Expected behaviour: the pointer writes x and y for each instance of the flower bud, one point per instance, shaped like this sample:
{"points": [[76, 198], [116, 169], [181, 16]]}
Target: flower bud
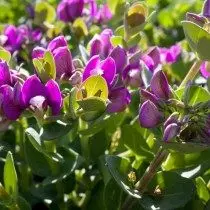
{"points": [[69, 10], [77, 63], [76, 78], [119, 100], [120, 58], [149, 115], [197, 19], [170, 132], [146, 95], [95, 47], [63, 61], [206, 8], [159, 85], [57, 42], [173, 118]]}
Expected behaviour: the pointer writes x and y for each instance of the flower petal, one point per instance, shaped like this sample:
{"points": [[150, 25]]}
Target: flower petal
{"points": [[31, 88], [5, 76], [92, 64], [57, 42], [109, 69], [54, 97]]}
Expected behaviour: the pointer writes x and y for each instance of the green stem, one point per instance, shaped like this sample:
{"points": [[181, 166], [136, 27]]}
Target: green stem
{"points": [[142, 184], [126, 28], [192, 73]]}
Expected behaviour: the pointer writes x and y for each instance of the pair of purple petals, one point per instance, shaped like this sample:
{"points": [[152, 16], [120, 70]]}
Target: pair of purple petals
{"points": [[62, 56], [69, 10], [16, 99]]}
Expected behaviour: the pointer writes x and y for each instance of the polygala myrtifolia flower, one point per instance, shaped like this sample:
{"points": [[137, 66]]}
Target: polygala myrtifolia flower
{"points": [[69, 10], [61, 54]]}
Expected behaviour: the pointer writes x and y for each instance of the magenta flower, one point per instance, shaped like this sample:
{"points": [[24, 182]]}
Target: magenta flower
{"points": [[104, 14], [62, 56], [170, 55], [170, 132], [101, 44], [149, 115], [119, 100], [69, 10], [152, 59], [33, 87], [205, 70], [15, 37], [105, 68], [206, 9], [11, 104], [159, 85], [5, 76]]}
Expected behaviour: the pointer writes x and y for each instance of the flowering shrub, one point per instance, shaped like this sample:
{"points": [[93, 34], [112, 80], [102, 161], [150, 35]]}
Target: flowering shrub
{"points": [[104, 105]]}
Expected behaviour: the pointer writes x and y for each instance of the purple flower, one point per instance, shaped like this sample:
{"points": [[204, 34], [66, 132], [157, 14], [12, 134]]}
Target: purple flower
{"points": [[170, 132], [33, 87], [146, 95], [69, 10], [149, 115], [11, 101], [159, 85], [63, 62], [170, 55], [62, 56], [14, 37], [104, 14], [132, 77], [101, 44], [120, 57], [105, 68], [152, 59], [173, 118], [119, 100], [205, 69], [206, 9], [57, 42], [5, 76]]}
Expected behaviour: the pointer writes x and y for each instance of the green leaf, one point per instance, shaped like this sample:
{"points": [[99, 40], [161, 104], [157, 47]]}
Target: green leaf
{"points": [[134, 141], [104, 122], [134, 40], [80, 27], [5, 55], [202, 190], [10, 176], [198, 39], [119, 169], [194, 95], [117, 40], [93, 86], [44, 12], [34, 138], [54, 130], [112, 195], [114, 4], [174, 192], [37, 160], [184, 147], [45, 67], [5, 198], [70, 161], [23, 204]]}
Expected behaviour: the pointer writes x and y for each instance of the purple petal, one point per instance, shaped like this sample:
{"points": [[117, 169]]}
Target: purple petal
{"points": [[120, 58], [206, 8], [62, 11], [119, 100], [32, 87], [109, 69], [5, 76], [38, 52], [11, 110], [149, 115], [92, 64], [54, 97], [57, 42], [159, 85], [148, 61], [63, 61], [95, 47], [155, 55], [170, 132], [17, 91], [205, 69]]}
